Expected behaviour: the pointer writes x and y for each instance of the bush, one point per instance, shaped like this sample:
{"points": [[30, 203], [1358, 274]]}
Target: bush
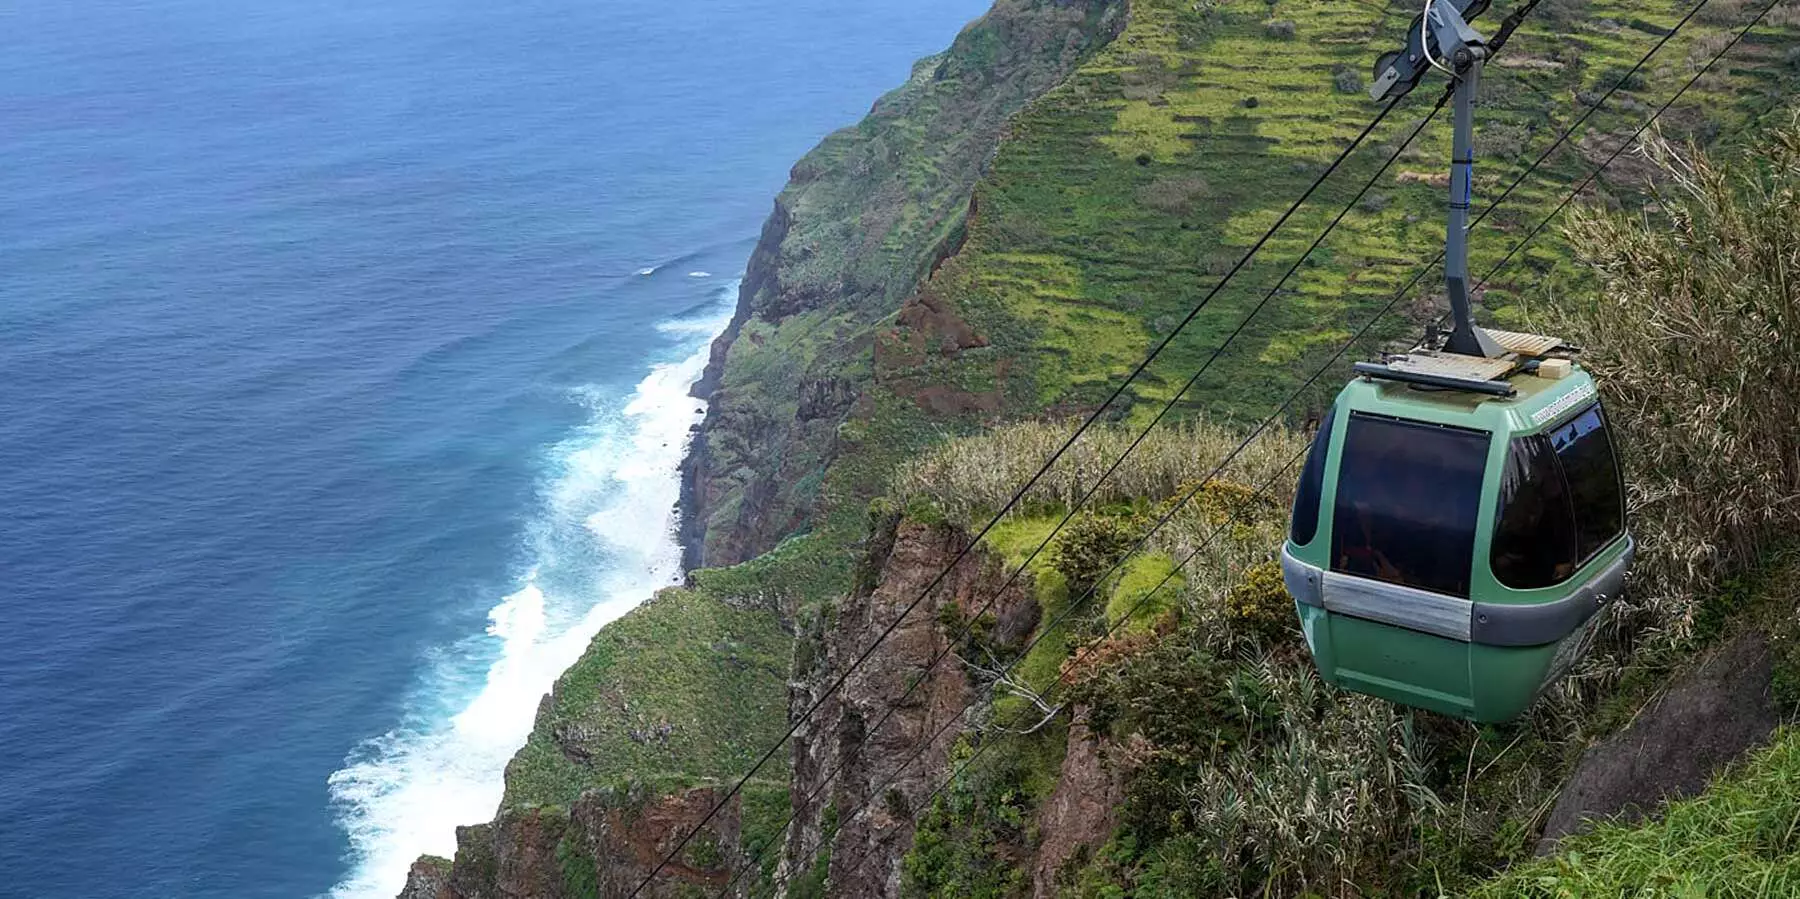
{"points": [[1563, 13], [1346, 80], [1622, 76], [1089, 546], [1695, 338], [1260, 607], [1280, 29], [1501, 141]]}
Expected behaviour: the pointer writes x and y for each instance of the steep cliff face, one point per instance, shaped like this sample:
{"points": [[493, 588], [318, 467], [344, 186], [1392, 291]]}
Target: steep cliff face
{"points": [[605, 844], [856, 784], [862, 221]]}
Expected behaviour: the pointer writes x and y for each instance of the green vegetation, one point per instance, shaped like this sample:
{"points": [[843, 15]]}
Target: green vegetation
{"points": [[1696, 334], [685, 687], [1246, 775], [864, 218], [1121, 196], [1739, 839]]}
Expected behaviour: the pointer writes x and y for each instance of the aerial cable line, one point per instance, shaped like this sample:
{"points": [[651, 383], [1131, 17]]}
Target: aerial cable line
{"points": [[1510, 24], [1573, 126], [1144, 600], [1168, 406], [1016, 498], [1142, 542], [1137, 547], [1620, 149]]}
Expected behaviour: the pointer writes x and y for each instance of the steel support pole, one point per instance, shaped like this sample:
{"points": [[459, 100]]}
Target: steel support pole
{"points": [[1465, 338]]}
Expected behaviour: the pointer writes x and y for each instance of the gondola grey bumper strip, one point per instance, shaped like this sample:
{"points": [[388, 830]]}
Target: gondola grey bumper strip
{"points": [[1486, 624]]}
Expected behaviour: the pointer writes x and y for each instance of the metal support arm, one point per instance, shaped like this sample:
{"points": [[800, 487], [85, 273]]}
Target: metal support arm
{"points": [[1465, 336], [1466, 53]]}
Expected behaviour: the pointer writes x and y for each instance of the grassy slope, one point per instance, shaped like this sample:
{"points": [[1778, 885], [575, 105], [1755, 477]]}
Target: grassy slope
{"points": [[711, 672], [1739, 839], [869, 210]]}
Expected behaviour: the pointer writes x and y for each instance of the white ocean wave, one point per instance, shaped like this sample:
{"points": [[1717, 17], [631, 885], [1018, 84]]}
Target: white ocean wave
{"points": [[615, 487]]}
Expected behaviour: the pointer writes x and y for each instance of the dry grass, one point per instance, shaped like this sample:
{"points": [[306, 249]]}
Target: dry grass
{"points": [[1335, 785], [968, 476], [1696, 340]]}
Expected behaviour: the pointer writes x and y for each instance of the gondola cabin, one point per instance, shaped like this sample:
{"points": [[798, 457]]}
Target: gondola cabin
{"points": [[1454, 538]]}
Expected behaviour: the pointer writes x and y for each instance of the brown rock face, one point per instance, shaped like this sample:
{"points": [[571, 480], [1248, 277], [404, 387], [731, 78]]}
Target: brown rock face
{"points": [[429, 878], [604, 846], [511, 857], [625, 841], [1706, 720], [1082, 810], [874, 791]]}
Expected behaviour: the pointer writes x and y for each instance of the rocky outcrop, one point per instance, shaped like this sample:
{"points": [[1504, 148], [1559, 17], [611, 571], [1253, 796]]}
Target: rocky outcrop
{"points": [[862, 221], [874, 778], [603, 847], [429, 878], [1082, 810], [1706, 720]]}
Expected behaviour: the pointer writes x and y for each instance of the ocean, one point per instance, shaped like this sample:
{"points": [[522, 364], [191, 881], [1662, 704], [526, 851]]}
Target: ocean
{"points": [[344, 357]]}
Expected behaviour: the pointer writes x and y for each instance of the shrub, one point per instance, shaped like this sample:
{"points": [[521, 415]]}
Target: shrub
{"points": [[1563, 13], [1280, 29], [1502, 141], [1089, 546], [1261, 607], [1622, 76], [1694, 338], [1346, 80], [1177, 196]]}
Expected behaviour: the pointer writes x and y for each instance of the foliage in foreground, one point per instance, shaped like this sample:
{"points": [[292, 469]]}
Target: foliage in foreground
{"points": [[1246, 775], [1695, 337], [1741, 838]]}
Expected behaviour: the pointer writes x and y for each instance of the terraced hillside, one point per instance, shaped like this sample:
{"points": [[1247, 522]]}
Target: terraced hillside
{"points": [[1120, 197]]}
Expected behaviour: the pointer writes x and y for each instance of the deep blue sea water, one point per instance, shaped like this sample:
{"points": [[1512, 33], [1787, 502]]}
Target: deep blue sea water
{"points": [[339, 401]]}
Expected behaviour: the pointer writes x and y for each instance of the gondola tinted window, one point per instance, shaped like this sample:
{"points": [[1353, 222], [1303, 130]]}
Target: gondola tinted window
{"points": [[1312, 484], [1585, 449], [1408, 495], [1534, 534]]}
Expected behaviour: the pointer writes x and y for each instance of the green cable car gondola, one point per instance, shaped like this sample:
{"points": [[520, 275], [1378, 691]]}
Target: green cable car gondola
{"points": [[1460, 521]]}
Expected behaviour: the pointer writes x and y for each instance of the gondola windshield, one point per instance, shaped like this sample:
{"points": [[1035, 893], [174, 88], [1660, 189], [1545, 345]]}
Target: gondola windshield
{"points": [[1407, 503]]}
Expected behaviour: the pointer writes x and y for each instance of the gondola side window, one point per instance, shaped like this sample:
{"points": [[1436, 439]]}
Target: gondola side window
{"points": [[1534, 531], [1585, 449], [1408, 495], [1312, 484]]}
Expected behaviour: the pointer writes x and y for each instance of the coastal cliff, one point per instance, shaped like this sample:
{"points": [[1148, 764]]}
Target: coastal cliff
{"points": [[864, 218], [998, 242]]}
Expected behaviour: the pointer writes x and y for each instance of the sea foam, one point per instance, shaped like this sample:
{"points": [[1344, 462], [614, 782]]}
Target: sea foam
{"points": [[609, 501]]}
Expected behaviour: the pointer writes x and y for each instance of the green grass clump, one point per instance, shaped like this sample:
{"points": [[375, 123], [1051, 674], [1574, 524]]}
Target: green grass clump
{"points": [[1741, 838]]}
